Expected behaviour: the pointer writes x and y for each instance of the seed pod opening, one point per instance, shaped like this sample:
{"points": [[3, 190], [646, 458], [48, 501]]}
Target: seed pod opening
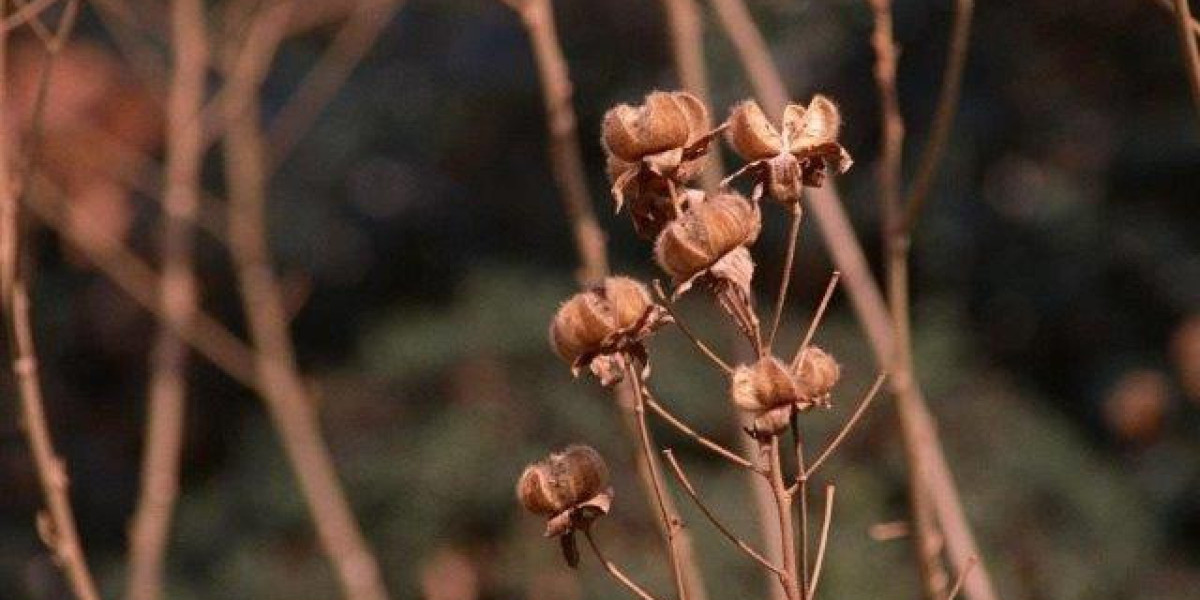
{"points": [[819, 123], [706, 232]]}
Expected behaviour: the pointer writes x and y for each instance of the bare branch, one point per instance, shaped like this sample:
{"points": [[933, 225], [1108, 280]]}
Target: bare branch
{"points": [[678, 423], [820, 564], [163, 447], [943, 117], [27, 13], [687, 48], [616, 572], [817, 317], [841, 435], [732, 537], [962, 577], [687, 332], [785, 279]]}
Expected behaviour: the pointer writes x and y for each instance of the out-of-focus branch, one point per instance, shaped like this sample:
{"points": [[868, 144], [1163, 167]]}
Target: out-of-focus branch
{"points": [[291, 408], [1169, 6], [926, 539], [27, 13], [566, 163], [943, 116], [687, 48], [1187, 42], [57, 523], [870, 309], [163, 447]]}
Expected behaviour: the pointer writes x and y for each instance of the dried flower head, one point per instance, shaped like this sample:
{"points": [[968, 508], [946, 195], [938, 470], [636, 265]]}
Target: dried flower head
{"points": [[653, 149], [570, 488], [613, 318], [799, 155], [817, 372], [704, 239]]}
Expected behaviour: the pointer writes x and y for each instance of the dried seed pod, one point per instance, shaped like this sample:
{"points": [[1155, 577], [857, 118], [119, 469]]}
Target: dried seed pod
{"points": [[634, 132], [562, 481], [819, 123], [589, 321], [705, 233], [764, 385], [817, 372], [773, 421], [750, 134]]}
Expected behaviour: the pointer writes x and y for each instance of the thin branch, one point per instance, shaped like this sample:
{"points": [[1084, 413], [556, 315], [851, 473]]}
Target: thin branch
{"points": [[943, 119], [163, 447], [732, 537], [819, 565], [616, 572], [801, 489], [35, 24], [57, 523], [962, 578], [1169, 6], [683, 428], [670, 522], [687, 48], [350, 45], [783, 508], [27, 13], [1187, 43], [288, 400], [785, 278], [845, 430], [687, 332], [817, 317]]}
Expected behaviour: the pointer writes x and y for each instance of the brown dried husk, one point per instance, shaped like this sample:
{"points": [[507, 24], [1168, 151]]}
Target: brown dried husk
{"points": [[562, 480], [705, 233], [634, 132]]}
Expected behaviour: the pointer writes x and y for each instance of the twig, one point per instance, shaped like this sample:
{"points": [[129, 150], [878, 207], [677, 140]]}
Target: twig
{"points": [[57, 523], [616, 572], [687, 332], [732, 537], [962, 577], [783, 508], [26, 13], [287, 398], [670, 522], [687, 48], [943, 119], [678, 423], [785, 279], [1169, 6], [163, 447], [1187, 42], [349, 46], [35, 24], [896, 253], [845, 430], [801, 489], [819, 565], [817, 317]]}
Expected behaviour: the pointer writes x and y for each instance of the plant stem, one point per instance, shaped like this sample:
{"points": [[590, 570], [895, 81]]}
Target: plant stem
{"points": [[783, 507], [163, 448], [615, 571], [785, 278]]}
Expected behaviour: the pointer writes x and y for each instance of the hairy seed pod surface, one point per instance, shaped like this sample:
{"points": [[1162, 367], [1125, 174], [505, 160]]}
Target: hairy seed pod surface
{"points": [[763, 385], [588, 320], [564, 479], [820, 123], [817, 372], [706, 232], [750, 133], [663, 122]]}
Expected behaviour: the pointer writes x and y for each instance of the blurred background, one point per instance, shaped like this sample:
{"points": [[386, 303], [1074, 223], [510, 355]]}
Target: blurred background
{"points": [[423, 248]]}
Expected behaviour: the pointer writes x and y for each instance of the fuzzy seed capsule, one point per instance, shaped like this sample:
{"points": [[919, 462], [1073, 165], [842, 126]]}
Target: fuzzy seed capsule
{"points": [[663, 122], [589, 320], [816, 373], [764, 385], [750, 134], [563, 480], [706, 232], [804, 128]]}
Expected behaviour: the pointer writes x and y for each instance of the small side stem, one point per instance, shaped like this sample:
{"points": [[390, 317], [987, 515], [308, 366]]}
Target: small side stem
{"points": [[785, 279], [615, 571], [783, 507], [802, 491]]}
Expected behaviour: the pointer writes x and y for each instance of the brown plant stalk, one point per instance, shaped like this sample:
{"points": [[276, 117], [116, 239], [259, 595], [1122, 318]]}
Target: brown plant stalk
{"points": [[289, 403], [56, 524], [687, 50], [566, 164], [869, 307], [163, 447], [1187, 43]]}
